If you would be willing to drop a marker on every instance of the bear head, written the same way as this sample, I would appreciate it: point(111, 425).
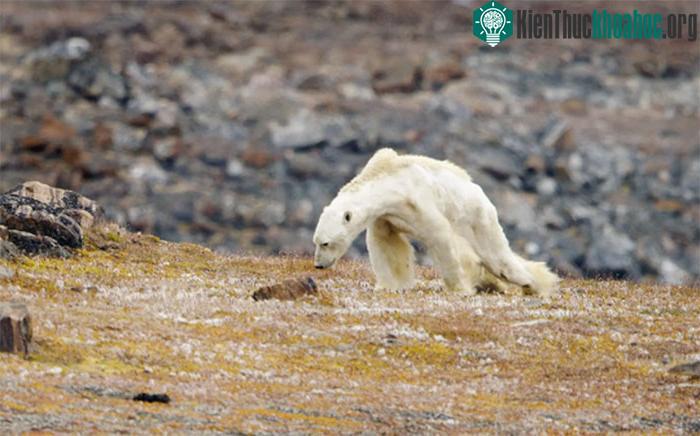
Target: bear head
point(337, 227)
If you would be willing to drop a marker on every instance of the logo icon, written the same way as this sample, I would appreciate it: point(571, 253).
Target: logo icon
point(493, 23)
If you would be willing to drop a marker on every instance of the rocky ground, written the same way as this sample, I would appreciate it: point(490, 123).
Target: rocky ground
point(130, 314)
point(232, 124)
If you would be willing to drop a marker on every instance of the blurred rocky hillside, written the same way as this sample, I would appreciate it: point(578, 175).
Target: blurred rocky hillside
point(232, 124)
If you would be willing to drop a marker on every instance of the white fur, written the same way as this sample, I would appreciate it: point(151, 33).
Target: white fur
point(399, 198)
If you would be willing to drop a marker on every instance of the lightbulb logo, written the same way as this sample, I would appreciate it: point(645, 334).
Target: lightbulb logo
point(493, 23)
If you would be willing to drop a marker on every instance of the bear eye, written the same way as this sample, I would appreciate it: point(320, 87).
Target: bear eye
point(347, 217)
point(325, 244)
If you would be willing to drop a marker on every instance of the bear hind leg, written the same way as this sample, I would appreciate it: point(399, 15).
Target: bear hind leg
point(446, 250)
point(492, 247)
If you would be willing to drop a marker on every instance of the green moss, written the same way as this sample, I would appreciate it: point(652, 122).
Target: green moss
point(56, 352)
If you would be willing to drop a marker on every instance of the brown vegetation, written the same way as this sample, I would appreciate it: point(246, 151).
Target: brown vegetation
point(131, 314)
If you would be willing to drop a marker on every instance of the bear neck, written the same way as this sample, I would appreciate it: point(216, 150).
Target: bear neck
point(371, 200)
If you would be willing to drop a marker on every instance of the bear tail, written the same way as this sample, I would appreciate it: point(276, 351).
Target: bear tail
point(546, 283)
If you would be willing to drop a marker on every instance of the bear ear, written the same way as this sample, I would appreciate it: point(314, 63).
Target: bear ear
point(347, 217)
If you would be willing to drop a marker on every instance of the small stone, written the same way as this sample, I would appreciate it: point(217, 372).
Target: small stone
point(234, 168)
point(15, 328)
point(535, 163)
point(692, 369)
point(498, 162)
point(54, 61)
point(558, 135)
point(152, 398)
point(84, 289)
point(127, 138)
point(148, 172)
point(166, 148)
point(398, 76)
point(574, 106)
point(546, 186)
point(6, 273)
point(355, 91)
point(8, 250)
point(437, 75)
point(668, 205)
point(303, 165)
point(287, 290)
point(257, 157)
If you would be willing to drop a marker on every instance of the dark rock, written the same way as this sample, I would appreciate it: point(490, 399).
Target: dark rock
point(152, 398)
point(287, 290)
point(15, 328)
point(31, 244)
point(29, 215)
point(93, 80)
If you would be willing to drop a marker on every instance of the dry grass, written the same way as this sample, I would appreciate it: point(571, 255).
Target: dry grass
point(131, 313)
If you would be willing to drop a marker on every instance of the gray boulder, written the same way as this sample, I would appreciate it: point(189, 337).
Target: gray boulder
point(611, 253)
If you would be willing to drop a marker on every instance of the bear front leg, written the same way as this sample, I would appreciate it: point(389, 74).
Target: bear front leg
point(391, 256)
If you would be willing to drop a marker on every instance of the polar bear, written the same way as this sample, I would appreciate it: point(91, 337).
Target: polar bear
point(397, 198)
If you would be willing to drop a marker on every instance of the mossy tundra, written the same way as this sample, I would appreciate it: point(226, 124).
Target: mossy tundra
point(131, 313)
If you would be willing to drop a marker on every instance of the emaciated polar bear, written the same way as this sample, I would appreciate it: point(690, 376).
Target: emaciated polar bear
point(399, 198)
